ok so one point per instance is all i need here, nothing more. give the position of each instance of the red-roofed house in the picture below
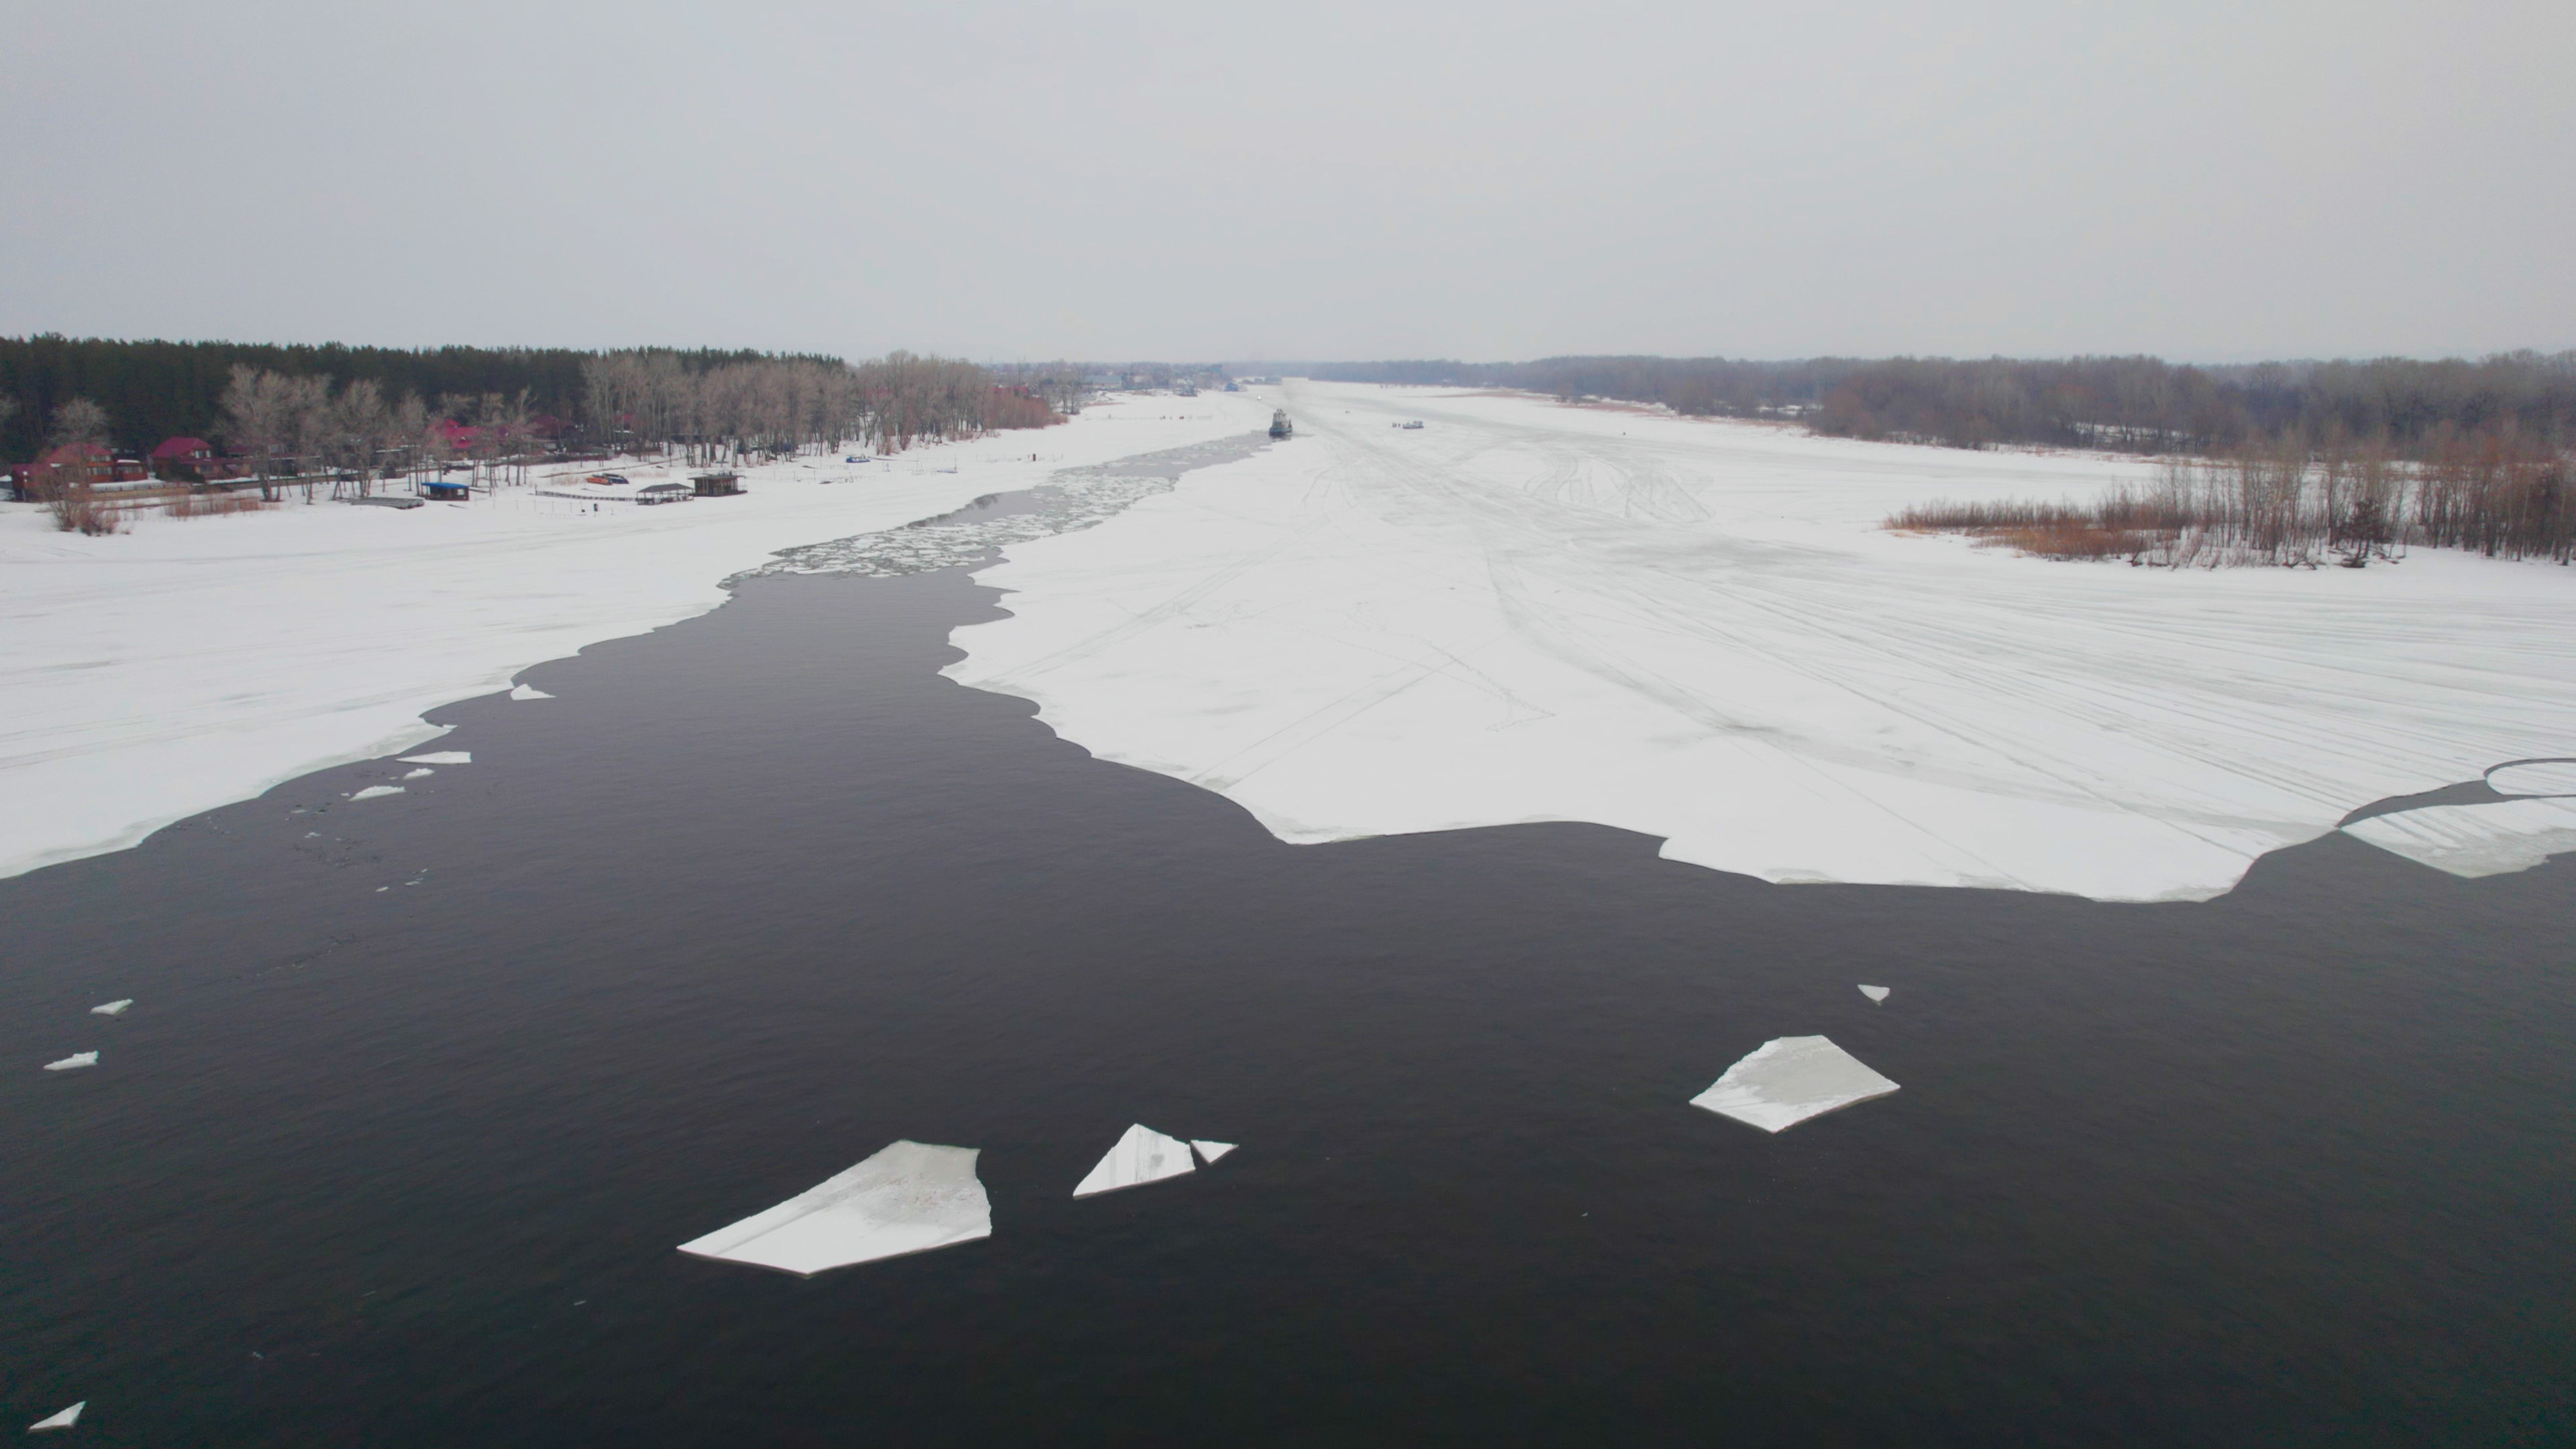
(195, 454)
(89, 463)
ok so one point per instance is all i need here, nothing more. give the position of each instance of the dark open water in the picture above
(761, 892)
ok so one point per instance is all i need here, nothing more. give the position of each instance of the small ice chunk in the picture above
(74, 1062)
(1209, 1152)
(1789, 1079)
(416, 774)
(442, 757)
(112, 1008)
(1874, 993)
(528, 692)
(2541, 777)
(1142, 1156)
(2475, 840)
(376, 792)
(910, 1197)
(63, 1420)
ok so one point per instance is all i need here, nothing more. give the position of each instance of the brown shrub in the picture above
(216, 503)
(77, 510)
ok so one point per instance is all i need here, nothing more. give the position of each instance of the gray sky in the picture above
(1231, 181)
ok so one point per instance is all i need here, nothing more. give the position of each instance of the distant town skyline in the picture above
(1489, 182)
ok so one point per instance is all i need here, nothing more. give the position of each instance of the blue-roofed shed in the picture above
(442, 489)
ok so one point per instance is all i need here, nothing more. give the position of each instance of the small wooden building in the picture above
(717, 485)
(443, 490)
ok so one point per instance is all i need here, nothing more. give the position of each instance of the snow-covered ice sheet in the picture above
(1789, 1079)
(62, 1419)
(441, 757)
(112, 1008)
(910, 1197)
(1874, 993)
(2475, 840)
(1209, 1152)
(1142, 1155)
(2541, 777)
(137, 695)
(73, 1063)
(1698, 630)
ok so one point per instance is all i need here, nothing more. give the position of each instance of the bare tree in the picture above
(78, 420)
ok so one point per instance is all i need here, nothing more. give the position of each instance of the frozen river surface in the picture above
(416, 1097)
(1698, 631)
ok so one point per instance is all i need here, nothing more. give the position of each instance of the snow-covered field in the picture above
(157, 673)
(1697, 630)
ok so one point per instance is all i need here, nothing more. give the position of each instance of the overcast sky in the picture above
(1229, 181)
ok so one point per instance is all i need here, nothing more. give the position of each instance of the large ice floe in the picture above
(1789, 1079)
(909, 1197)
(73, 1063)
(61, 1419)
(136, 699)
(2475, 840)
(1141, 1155)
(1700, 631)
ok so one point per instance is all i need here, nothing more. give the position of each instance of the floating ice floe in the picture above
(74, 1062)
(112, 1008)
(529, 692)
(1874, 993)
(1143, 1155)
(1209, 1152)
(441, 757)
(377, 792)
(2540, 777)
(1789, 1079)
(910, 1197)
(2475, 840)
(416, 774)
(63, 1420)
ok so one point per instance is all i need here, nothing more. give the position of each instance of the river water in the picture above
(419, 1093)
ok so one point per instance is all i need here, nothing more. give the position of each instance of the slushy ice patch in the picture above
(1072, 500)
(2475, 840)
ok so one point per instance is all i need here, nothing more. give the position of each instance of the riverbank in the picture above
(164, 671)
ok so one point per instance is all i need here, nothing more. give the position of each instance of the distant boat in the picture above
(1279, 427)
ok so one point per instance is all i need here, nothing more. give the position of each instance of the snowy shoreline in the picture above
(184, 665)
(1699, 631)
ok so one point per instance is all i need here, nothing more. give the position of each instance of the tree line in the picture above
(2123, 404)
(366, 413)
(307, 402)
